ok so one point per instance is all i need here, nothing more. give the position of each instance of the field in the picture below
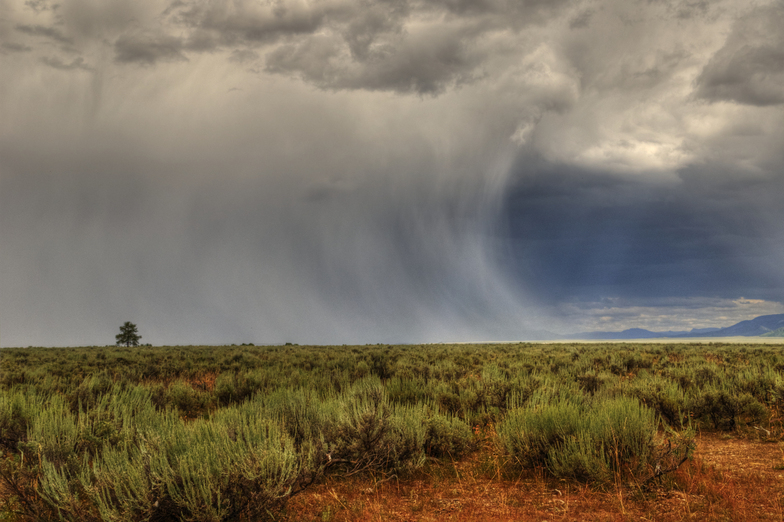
(434, 432)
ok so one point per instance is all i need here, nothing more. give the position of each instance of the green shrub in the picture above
(495, 386)
(303, 414)
(90, 391)
(17, 411)
(233, 465)
(529, 433)
(190, 402)
(664, 396)
(594, 441)
(447, 436)
(404, 390)
(727, 408)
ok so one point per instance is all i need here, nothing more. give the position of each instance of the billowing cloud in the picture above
(749, 68)
(399, 46)
(427, 62)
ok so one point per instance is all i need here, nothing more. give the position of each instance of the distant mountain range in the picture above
(764, 325)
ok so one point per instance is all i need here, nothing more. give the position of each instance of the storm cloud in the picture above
(148, 49)
(749, 68)
(340, 171)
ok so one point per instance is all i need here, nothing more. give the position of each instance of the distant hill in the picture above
(753, 327)
(631, 333)
(775, 333)
(767, 325)
(702, 331)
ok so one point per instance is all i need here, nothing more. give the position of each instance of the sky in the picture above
(387, 171)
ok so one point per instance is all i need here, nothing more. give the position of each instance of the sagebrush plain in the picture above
(514, 431)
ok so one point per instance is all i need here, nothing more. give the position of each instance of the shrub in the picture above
(529, 433)
(190, 402)
(17, 412)
(495, 386)
(402, 390)
(663, 395)
(595, 441)
(726, 408)
(447, 436)
(302, 413)
(90, 391)
(233, 465)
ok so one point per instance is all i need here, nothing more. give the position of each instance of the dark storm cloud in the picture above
(427, 66)
(519, 13)
(419, 47)
(401, 49)
(584, 237)
(749, 69)
(248, 22)
(147, 49)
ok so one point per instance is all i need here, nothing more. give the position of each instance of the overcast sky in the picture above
(362, 171)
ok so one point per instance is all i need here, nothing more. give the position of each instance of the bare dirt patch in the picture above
(728, 479)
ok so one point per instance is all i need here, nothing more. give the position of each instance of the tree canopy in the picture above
(129, 335)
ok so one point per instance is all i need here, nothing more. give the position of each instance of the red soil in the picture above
(728, 479)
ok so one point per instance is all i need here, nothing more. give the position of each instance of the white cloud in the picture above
(615, 314)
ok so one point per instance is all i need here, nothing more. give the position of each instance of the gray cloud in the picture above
(16, 47)
(148, 49)
(749, 69)
(40, 6)
(91, 20)
(428, 64)
(243, 56)
(376, 45)
(583, 19)
(422, 47)
(248, 22)
(517, 13)
(47, 32)
(57, 63)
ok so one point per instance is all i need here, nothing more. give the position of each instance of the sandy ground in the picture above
(729, 479)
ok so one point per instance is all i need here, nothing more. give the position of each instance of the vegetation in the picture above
(232, 433)
(128, 336)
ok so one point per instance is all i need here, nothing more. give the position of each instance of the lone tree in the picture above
(128, 335)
